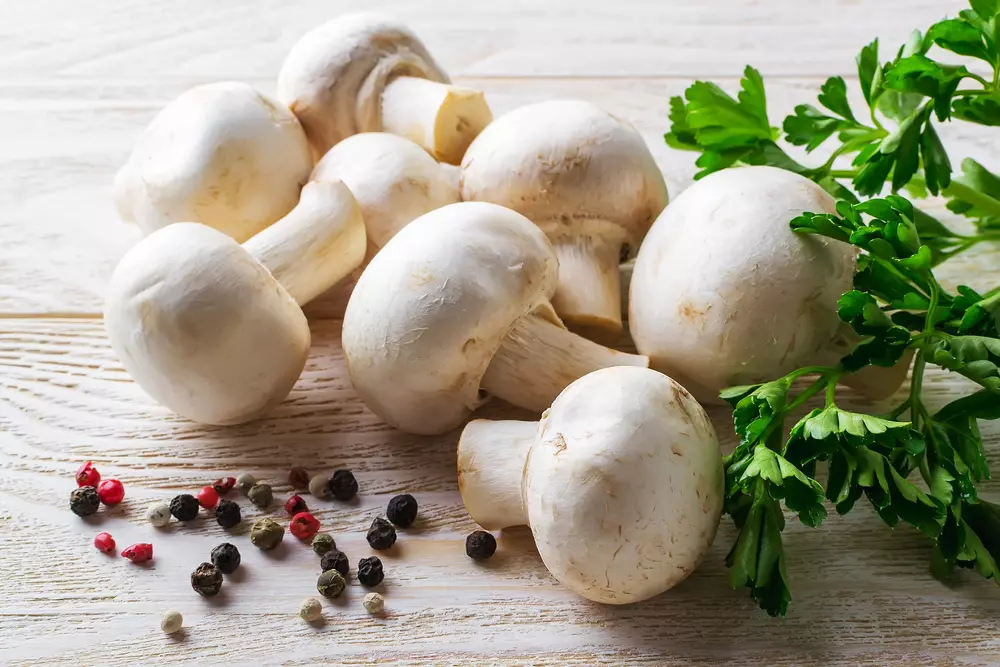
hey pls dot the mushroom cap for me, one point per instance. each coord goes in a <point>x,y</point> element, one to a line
<point>223,155</point>
<point>203,327</point>
<point>571,168</point>
<point>334,76</point>
<point>624,485</point>
<point>393,179</point>
<point>428,313</point>
<point>724,292</point>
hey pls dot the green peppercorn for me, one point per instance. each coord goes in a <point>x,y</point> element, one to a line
<point>226,557</point>
<point>343,485</point>
<point>261,495</point>
<point>206,579</point>
<point>266,534</point>
<point>245,482</point>
<point>323,543</point>
<point>331,584</point>
<point>184,507</point>
<point>84,500</point>
<point>228,514</point>
<point>318,486</point>
<point>335,560</point>
<point>381,535</point>
<point>370,571</point>
<point>480,545</point>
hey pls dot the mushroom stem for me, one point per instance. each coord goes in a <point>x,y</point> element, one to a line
<point>538,358</point>
<point>440,117</point>
<point>316,245</point>
<point>491,460</point>
<point>588,297</point>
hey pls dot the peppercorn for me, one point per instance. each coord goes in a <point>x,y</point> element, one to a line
<point>158,515</point>
<point>311,609</point>
<point>480,545</point>
<point>138,553</point>
<point>323,543</point>
<point>226,557</point>
<point>370,571</point>
<point>402,510</point>
<point>261,495</point>
<point>303,526</point>
<point>335,560</point>
<point>171,622</point>
<point>184,507</point>
<point>224,485</point>
<point>245,482</point>
<point>381,535</point>
<point>84,500</point>
<point>318,486</point>
<point>331,584</point>
<point>298,478</point>
<point>206,580</point>
<point>111,492</point>
<point>208,497</point>
<point>343,485</point>
<point>227,513</point>
<point>266,534</point>
<point>87,475</point>
<point>104,543</point>
<point>295,504</point>
<point>374,603</point>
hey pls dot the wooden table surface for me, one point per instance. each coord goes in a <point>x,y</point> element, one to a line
<point>79,80</point>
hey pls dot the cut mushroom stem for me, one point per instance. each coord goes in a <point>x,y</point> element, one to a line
<point>440,117</point>
<point>491,460</point>
<point>588,296</point>
<point>538,357</point>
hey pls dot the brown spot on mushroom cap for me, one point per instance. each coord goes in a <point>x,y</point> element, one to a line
<point>559,442</point>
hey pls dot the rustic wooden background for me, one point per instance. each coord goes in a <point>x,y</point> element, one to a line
<point>79,80</point>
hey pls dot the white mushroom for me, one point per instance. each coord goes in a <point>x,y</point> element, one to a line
<point>621,483</point>
<point>394,180</point>
<point>223,155</point>
<point>588,180</point>
<point>455,308</point>
<point>213,330</point>
<point>368,73</point>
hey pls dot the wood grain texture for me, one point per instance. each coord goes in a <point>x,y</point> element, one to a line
<point>78,82</point>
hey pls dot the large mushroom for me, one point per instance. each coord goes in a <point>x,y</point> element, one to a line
<point>221,154</point>
<point>214,330</point>
<point>621,483</point>
<point>588,180</point>
<point>368,73</point>
<point>455,309</point>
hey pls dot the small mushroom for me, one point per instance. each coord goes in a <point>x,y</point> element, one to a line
<point>369,73</point>
<point>454,309</point>
<point>621,483</point>
<point>214,330</point>
<point>588,180</point>
<point>223,155</point>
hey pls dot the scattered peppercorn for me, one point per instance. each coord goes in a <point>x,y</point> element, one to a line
<point>206,580</point>
<point>224,485</point>
<point>171,622</point>
<point>226,557</point>
<point>323,543</point>
<point>311,609</point>
<point>331,584</point>
<point>343,485</point>
<point>266,534</point>
<point>261,495</point>
<point>245,482</point>
<point>158,515</point>
<point>138,553</point>
<point>370,571</point>
<point>208,497</point>
<point>87,475</point>
<point>381,535</point>
<point>319,486</point>
<point>480,545</point>
<point>111,492</point>
<point>295,504</point>
<point>84,500</point>
<point>374,603</point>
<point>184,507</point>
<point>104,543</point>
<point>402,510</point>
<point>298,478</point>
<point>303,526</point>
<point>228,514</point>
<point>335,560</point>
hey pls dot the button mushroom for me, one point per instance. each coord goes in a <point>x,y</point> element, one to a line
<point>455,308</point>
<point>212,329</point>
<point>588,180</point>
<point>621,483</point>
<point>223,155</point>
<point>368,73</point>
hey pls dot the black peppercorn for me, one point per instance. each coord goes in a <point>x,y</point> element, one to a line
<point>184,507</point>
<point>206,579</point>
<point>84,500</point>
<point>402,510</point>
<point>335,560</point>
<point>480,545</point>
<point>370,571</point>
<point>381,535</point>
<point>227,513</point>
<point>226,557</point>
<point>298,477</point>
<point>343,485</point>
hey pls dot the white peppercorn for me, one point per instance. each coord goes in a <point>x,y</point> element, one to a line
<point>158,514</point>
<point>311,609</point>
<point>374,603</point>
<point>318,487</point>
<point>171,622</point>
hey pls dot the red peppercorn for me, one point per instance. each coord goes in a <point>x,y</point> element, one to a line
<point>304,526</point>
<point>224,485</point>
<point>111,491</point>
<point>208,497</point>
<point>87,475</point>
<point>138,553</point>
<point>104,543</point>
<point>295,504</point>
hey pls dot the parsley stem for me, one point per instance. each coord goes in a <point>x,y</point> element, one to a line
<point>925,472</point>
<point>900,409</point>
<point>831,392</point>
<point>819,385</point>
<point>843,173</point>
<point>960,190</point>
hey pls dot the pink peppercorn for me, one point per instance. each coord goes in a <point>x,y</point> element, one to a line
<point>304,526</point>
<point>224,485</point>
<point>295,504</point>
<point>104,543</point>
<point>87,475</point>
<point>111,491</point>
<point>208,497</point>
<point>138,553</point>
